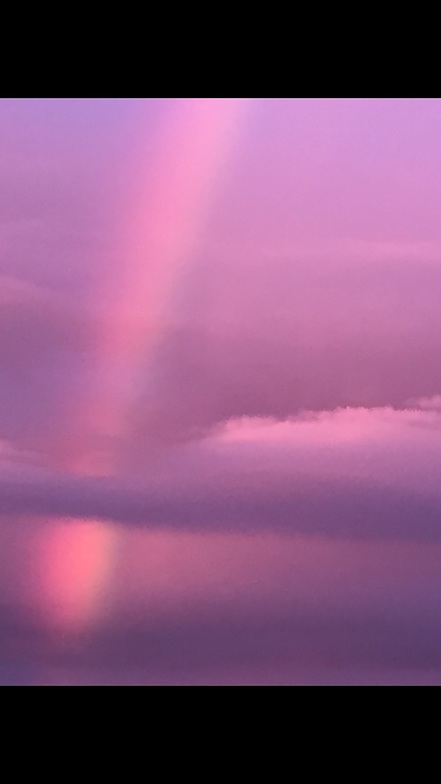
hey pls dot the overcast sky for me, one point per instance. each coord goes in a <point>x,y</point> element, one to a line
<point>220,387</point>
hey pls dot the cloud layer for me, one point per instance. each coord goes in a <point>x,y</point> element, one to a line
<point>351,473</point>
<point>220,389</point>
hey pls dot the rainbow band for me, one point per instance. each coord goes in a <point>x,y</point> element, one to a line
<point>194,144</point>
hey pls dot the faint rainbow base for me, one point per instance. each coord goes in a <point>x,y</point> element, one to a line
<point>73,570</point>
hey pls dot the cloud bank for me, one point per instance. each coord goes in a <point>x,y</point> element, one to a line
<point>351,473</point>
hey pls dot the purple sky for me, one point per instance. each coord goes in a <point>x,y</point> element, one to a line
<point>220,426</point>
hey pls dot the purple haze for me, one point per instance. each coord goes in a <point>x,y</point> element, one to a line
<point>220,426</point>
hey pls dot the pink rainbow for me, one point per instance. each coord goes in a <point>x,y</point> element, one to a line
<point>193,149</point>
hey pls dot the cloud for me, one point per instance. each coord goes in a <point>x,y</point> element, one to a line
<point>350,473</point>
<point>35,318</point>
<point>281,647</point>
<point>278,475</point>
<point>259,337</point>
<point>43,348</point>
<point>427,403</point>
<point>12,457</point>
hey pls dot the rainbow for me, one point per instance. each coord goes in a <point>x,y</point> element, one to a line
<point>193,148</point>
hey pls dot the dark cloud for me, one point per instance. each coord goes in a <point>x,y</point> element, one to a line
<point>379,481</point>
<point>274,648</point>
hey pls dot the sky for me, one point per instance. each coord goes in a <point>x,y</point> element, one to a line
<point>220,391</point>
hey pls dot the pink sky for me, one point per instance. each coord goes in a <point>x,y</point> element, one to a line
<point>219,369</point>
